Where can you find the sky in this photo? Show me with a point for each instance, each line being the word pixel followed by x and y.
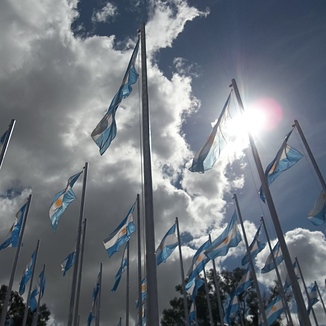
pixel 61 64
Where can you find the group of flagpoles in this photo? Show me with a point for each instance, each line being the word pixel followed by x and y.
pixel 151 276
pixel 303 316
pixel 73 307
pixel 30 284
pixel 14 266
pixel 252 266
pixel 6 141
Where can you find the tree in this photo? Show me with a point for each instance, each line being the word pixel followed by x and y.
pixel 16 310
pixel 228 281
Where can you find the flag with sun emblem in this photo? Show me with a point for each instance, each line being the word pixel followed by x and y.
pixel 62 200
pixel 121 234
pixel 167 246
pixel 229 238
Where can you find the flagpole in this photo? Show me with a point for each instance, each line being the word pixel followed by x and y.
pixel 35 316
pixel 208 300
pixel 303 316
pixel 252 266
pixel 30 284
pixel 217 289
pixel 311 156
pixel 6 142
pixel 321 298
pixel 152 302
pixel 139 264
pixel 127 286
pixel 76 263
pixel 306 290
pixel 80 267
pixel 98 310
pixel 14 266
pixel 279 280
pixel 185 301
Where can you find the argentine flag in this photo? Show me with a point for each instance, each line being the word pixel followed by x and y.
pixel 278 257
pixel 317 215
pixel 167 246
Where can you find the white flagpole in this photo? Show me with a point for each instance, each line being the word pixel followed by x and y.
pixel 76 314
pixel 313 161
pixel 6 142
pixel 279 280
pixel 209 306
pixel 35 316
pixel 303 316
pixel 30 284
pixel 71 320
pixel 14 266
pixel 139 265
pixel 217 289
pixel 98 305
pixel 306 290
pixel 152 301
pixel 185 301
pixel 252 266
pixel 321 298
pixel 127 286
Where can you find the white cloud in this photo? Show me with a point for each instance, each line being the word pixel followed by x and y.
pixel 108 12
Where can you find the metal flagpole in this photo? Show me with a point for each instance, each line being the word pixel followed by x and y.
pixel 185 301
pixel 321 298
pixel 208 301
pixel 303 316
pixel 217 289
pixel 279 280
pixel 35 316
pixel 313 161
pixel 80 270
pixel 306 290
pixel 127 287
pixel 252 266
pixel 6 142
pixel 152 299
pixel 76 263
pixel 14 266
pixel 98 304
pixel 30 284
pixel 139 264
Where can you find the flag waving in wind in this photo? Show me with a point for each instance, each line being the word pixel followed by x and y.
pixel 124 263
pixel 229 238
pixel 38 291
pixel 167 245
pixel 95 297
pixel 278 257
pixel 14 232
pixel 68 262
pixel 27 274
pixel 206 157
pixel 286 157
pixel 255 247
pixel 106 129
pixel 2 140
pixel 317 215
pixel 121 234
pixel 62 200
pixel 313 298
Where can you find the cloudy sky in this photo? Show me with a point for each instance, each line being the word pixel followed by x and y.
pixel 62 62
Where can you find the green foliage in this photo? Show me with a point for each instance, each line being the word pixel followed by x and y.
pixel 228 281
pixel 16 310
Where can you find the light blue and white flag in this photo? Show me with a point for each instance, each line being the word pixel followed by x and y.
pixel 27 274
pixel 317 215
pixel 95 300
pixel 245 282
pixel 2 140
pixel 193 287
pixel 198 262
pixel 274 310
pixel 287 282
pixel 192 314
pixel 121 234
pixel 313 298
pixel 68 262
pixel 255 247
pixel 62 200
pixel 106 129
pixel 143 292
pixel 278 256
pixel 124 263
pixel 14 232
pixel 167 246
pixel 285 158
pixel 229 238
pixel 232 308
pixel 38 291
pixel 206 157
